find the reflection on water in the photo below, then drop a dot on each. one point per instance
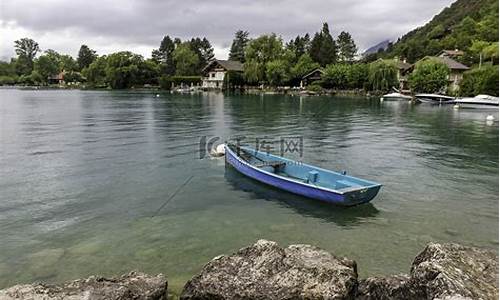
(83, 172)
(342, 216)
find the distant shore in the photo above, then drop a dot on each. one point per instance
(180, 90)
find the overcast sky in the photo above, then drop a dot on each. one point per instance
(139, 25)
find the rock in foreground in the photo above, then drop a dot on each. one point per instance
(268, 271)
(137, 286)
(452, 270)
(440, 271)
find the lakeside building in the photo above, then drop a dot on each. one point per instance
(216, 70)
(404, 69)
(57, 78)
(457, 69)
(314, 75)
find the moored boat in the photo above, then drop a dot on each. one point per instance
(434, 99)
(299, 178)
(396, 96)
(480, 101)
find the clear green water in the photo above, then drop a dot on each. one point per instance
(83, 174)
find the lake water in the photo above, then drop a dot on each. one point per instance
(86, 180)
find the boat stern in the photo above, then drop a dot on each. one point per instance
(361, 196)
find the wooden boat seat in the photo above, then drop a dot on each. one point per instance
(274, 164)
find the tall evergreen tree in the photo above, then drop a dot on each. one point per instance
(204, 50)
(323, 47)
(300, 45)
(86, 56)
(163, 55)
(346, 46)
(238, 46)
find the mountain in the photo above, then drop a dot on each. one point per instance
(374, 49)
(455, 27)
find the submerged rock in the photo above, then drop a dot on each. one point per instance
(268, 271)
(137, 286)
(440, 271)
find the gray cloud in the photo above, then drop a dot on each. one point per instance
(111, 25)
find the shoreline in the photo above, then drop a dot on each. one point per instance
(265, 269)
(245, 91)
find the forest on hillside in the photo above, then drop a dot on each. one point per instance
(460, 26)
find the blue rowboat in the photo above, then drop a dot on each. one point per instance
(299, 178)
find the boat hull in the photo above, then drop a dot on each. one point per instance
(480, 101)
(345, 199)
(478, 105)
(434, 99)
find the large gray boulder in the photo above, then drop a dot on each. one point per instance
(440, 271)
(268, 271)
(137, 286)
(452, 270)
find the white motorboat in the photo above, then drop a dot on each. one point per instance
(434, 99)
(396, 96)
(480, 101)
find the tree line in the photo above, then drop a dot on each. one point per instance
(267, 60)
(121, 69)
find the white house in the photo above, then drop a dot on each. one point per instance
(215, 72)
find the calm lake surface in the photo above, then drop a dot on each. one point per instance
(86, 179)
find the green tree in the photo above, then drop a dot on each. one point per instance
(477, 51)
(186, 60)
(123, 69)
(465, 32)
(429, 76)
(7, 69)
(67, 63)
(253, 72)
(238, 46)
(277, 72)
(491, 52)
(86, 56)
(382, 75)
(346, 46)
(258, 53)
(437, 32)
(95, 73)
(73, 76)
(204, 50)
(336, 76)
(163, 56)
(358, 76)
(300, 45)
(26, 50)
(47, 64)
(323, 47)
(149, 72)
(480, 81)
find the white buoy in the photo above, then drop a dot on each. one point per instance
(218, 151)
(456, 106)
(490, 118)
(381, 99)
(157, 95)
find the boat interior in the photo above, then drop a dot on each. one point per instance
(298, 171)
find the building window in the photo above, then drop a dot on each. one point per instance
(212, 75)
